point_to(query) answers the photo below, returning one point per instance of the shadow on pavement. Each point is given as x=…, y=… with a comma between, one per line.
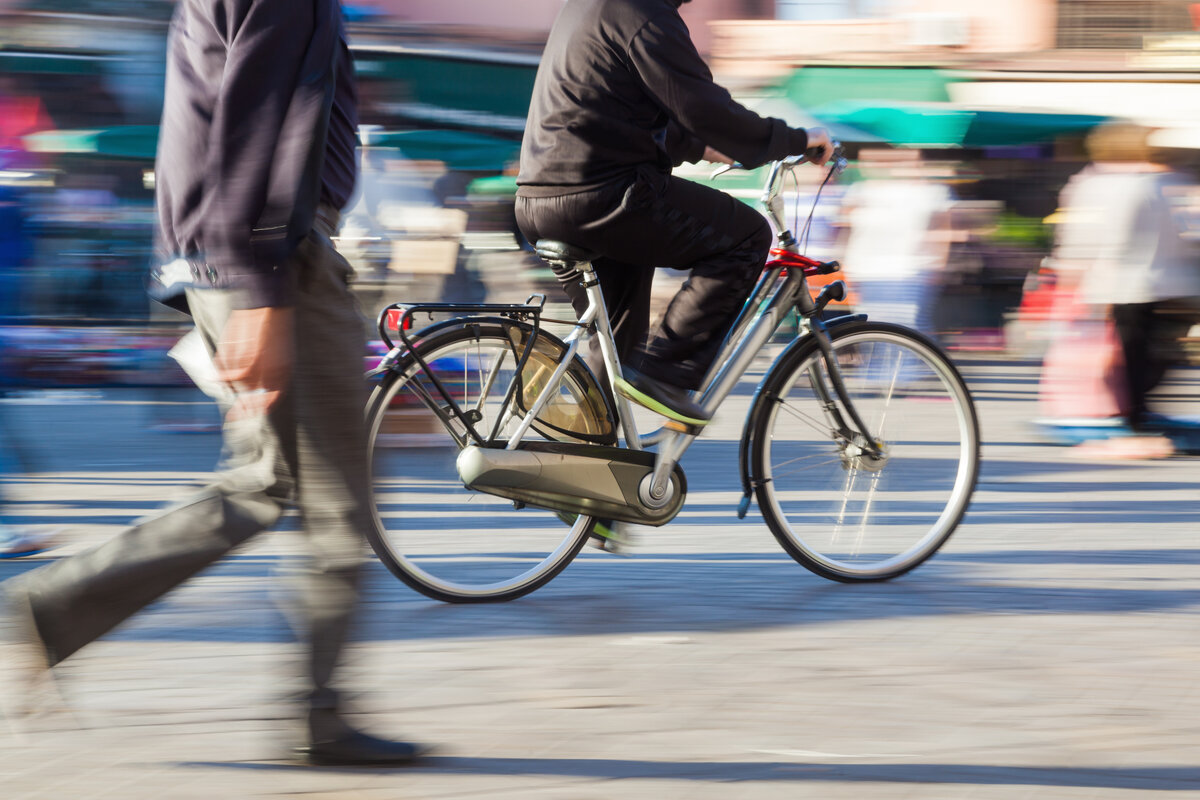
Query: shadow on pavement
x=1175, y=779
x=676, y=593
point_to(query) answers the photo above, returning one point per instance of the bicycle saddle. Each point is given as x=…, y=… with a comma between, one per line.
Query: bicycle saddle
x=568, y=255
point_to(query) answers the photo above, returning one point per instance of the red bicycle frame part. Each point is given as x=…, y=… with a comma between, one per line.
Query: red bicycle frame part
x=817, y=273
x=789, y=260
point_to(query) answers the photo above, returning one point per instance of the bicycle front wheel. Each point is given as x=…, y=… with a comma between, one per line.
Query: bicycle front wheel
x=849, y=513
x=442, y=539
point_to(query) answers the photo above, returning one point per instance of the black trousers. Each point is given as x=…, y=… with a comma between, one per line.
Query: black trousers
x=1149, y=334
x=657, y=220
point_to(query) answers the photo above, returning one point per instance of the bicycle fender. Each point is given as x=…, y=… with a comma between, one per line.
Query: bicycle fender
x=758, y=406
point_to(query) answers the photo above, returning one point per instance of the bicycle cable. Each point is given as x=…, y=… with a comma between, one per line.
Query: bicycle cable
x=807, y=229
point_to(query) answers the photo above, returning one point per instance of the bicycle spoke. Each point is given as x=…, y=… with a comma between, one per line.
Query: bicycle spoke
x=491, y=379
x=777, y=474
x=806, y=419
x=846, y=490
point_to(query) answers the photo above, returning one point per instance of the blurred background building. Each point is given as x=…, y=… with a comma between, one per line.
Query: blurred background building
x=993, y=98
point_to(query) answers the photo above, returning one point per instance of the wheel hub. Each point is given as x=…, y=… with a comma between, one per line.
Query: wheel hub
x=871, y=458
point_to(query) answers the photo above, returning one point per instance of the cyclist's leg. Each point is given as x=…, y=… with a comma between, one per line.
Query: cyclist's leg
x=625, y=286
x=725, y=243
x=661, y=221
x=626, y=290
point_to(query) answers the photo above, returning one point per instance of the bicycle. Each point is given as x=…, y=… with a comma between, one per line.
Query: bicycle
x=490, y=403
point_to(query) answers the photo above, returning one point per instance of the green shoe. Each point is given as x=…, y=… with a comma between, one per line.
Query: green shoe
x=660, y=398
x=604, y=534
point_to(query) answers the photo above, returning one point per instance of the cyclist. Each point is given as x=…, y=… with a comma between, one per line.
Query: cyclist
x=622, y=96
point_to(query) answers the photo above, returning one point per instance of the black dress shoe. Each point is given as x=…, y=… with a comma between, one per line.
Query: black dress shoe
x=670, y=401
x=358, y=749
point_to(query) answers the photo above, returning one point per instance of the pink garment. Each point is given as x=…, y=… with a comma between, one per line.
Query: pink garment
x=1083, y=372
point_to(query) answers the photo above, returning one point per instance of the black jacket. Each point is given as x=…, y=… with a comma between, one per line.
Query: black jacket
x=250, y=86
x=621, y=85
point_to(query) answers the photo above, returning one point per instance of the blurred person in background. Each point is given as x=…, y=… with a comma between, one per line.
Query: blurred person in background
x=1133, y=281
x=622, y=96
x=15, y=542
x=898, y=237
x=18, y=117
x=255, y=161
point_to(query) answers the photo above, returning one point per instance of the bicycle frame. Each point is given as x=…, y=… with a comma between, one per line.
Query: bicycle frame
x=782, y=287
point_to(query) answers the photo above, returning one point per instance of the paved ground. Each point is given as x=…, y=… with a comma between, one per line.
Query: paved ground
x=1049, y=651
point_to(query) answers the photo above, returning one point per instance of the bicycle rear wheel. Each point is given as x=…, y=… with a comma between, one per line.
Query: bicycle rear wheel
x=440, y=538
x=845, y=514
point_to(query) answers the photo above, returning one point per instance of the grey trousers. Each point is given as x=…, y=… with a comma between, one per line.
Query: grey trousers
x=310, y=450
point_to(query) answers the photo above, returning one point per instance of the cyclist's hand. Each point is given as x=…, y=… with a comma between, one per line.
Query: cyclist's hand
x=716, y=156
x=820, y=146
x=255, y=358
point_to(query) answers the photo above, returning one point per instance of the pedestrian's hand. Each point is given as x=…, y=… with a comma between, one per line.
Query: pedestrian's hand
x=820, y=146
x=716, y=156
x=255, y=358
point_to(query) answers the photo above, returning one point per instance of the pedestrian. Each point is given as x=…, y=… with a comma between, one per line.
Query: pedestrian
x=1134, y=277
x=255, y=161
x=898, y=239
x=15, y=541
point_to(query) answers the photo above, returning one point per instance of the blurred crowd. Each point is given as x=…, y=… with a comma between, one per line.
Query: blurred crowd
x=1077, y=247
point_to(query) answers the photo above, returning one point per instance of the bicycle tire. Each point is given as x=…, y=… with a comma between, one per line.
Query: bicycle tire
x=412, y=449
x=921, y=487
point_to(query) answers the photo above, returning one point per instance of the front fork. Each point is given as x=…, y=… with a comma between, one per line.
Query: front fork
x=853, y=432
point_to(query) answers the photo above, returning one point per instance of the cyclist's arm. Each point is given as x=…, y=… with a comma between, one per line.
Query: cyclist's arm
x=676, y=76
x=681, y=145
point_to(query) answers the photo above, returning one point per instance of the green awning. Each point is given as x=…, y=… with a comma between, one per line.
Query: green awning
x=137, y=142
x=940, y=125
x=814, y=86
x=465, y=88
x=493, y=186
x=51, y=63
x=460, y=150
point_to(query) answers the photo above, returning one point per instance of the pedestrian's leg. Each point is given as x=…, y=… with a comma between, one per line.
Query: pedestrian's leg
x=333, y=483
x=1132, y=322
x=78, y=599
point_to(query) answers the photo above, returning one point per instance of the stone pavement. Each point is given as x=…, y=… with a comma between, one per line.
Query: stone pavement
x=1050, y=650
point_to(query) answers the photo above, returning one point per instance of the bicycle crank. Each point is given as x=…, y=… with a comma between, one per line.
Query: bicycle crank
x=598, y=481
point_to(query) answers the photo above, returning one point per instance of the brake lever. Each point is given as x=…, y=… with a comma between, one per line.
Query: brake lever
x=839, y=160
x=721, y=170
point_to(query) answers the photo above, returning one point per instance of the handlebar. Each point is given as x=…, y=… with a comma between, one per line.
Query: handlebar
x=771, y=199
x=837, y=162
